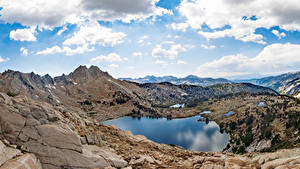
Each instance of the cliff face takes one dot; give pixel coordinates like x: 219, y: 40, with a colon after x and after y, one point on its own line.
x: 55, y: 121
x: 291, y: 88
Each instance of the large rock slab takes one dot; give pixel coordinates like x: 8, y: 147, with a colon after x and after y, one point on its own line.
x: 7, y: 153
x: 27, y: 161
x: 56, y: 158
x: 97, y: 152
x: 59, y: 138
x: 11, y: 124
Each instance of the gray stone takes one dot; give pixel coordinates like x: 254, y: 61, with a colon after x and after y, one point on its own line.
x: 83, y: 140
x: 112, y: 158
x: 55, y: 158
x: 4, y: 98
x: 60, y: 138
x: 27, y: 161
x: 7, y: 153
x: 11, y: 124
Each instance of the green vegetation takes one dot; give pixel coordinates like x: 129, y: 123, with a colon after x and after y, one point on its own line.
x: 248, y: 138
x: 11, y: 94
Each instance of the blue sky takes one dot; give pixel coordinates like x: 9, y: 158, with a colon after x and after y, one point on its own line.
x: 135, y: 38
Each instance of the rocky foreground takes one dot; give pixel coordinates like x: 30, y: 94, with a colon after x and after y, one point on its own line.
x: 37, y: 135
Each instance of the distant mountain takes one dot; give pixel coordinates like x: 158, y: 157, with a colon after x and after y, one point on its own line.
x: 282, y: 83
x: 291, y: 88
x: 189, y: 80
x: 165, y: 94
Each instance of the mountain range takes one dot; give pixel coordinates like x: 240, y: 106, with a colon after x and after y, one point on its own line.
x: 190, y: 80
x: 287, y: 83
x: 283, y: 83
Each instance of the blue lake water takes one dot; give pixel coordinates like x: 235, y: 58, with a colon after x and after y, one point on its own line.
x: 177, y: 106
x: 261, y: 104
x: 186, y: 132
x: 229, y: 113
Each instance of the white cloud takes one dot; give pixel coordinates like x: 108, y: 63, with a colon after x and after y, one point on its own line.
x: 52, y: 50
x: 278, y: 34
x: 93, y: 34
x: 56, y: 13
x: 125, y: 10
x: 24, y: 51
x: 44, y: 14
x: 181, y: 62
x: 142, y: 39
x: 172, y: 52
x: 62, y: 30
x: 112, y: 57
x: 179, y: 26
x: 67, y: 50
x: 240, y: 19
x: 78, y: 50
x: 85, y: 40
x: 273, y: 59
x: 26, y: 34
x: 137, y: 54
x: 162, y: 63
x: 3, y: 59
x: 208, y: 46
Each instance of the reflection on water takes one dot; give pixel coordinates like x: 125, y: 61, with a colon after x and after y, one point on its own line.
x: 229, y: 113
x: 261, y: 104
x: 187, y: 132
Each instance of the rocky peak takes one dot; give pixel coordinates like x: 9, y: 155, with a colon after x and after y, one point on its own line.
x: 95, y: 72
x: 83, y: 74
x: 48, y: 79
x: 62, y: 79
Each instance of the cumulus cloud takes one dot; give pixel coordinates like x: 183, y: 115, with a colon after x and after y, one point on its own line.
x: 112, y: 57
x: 240, y: 19
x: 171, y: 52
x: 52, y: 50
x: 209, y: 139
x: 86, y: 39
x: 125, y: 10
x: 273, y: 59
x: 24, y: 51
x: 26, y: 34
x: 93, y: 34
x: 44, y: 14
x: 179, y: 26
x: 208, y: 46
x: 67, y: 50
x: 55, y: 13
x: 278, y: 34
x: 3, y: 59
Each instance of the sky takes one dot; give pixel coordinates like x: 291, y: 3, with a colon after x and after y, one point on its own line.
x: 234, y: 39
